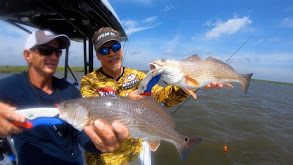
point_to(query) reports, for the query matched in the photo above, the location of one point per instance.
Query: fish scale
(145, 118)
(210, 70)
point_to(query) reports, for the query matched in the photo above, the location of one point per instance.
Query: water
(256, 128)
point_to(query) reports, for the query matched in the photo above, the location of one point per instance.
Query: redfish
(194, 73)
(145, 118)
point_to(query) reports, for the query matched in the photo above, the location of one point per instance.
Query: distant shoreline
(274, 82)
(17, 69)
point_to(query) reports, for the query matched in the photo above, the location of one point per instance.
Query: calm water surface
(257, 128)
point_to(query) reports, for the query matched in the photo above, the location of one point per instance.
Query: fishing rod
(129, 30)
(182, 104)
(238, 49)
(199, 88)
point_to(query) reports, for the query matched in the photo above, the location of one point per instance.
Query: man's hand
(134, 95)
(107, 138)
(213, 85)
(8, 114)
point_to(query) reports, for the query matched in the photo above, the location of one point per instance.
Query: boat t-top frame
(78, 19)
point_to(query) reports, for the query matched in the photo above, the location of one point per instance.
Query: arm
(170, 95)
(7, 115)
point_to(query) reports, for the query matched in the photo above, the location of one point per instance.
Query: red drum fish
(194, 73)
(145, 118)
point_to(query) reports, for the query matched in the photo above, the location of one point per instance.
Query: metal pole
(66, 63)
(84, 56)
(91, 61)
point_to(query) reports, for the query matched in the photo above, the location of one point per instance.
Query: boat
(78, 19)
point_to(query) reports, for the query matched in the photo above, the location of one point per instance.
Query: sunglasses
(46, 50)
(104, 51)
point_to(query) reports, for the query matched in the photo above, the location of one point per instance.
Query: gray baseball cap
(41, 37)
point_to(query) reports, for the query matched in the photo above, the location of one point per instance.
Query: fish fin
(187, 91)
(194, 57)
(216, 61)
(228, 85)
(153, 104)
(186, 147)
(191, 81)
(245, 82)
(154, 145)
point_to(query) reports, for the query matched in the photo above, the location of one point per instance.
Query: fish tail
(185, 148)
(245, 82)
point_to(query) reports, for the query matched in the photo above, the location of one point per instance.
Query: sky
(177, 29)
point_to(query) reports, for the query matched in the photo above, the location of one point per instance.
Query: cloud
(169, 7)
(169, 52)
(289, 9)
(274, 39)
(134, 51)
(208, 23)
(244, 60)
(128, 23)
(173, 42)
(230, 27)
(142, 2)
(190, 51)
(267, 40)
(274, 58)
(150, 19)
(139, 58)
(266, 72)
(133, 26)
(288, 22)
(260, 41)
(141, 29)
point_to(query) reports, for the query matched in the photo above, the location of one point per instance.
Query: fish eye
(65, 105)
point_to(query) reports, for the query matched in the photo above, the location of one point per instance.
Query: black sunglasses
(104, 51)
(46, 50)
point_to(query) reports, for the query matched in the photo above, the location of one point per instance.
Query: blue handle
(46, 121)
(152, 83)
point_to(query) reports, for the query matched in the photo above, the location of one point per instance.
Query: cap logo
(106, 34)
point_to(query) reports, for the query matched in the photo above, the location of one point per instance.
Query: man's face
(113, 60)
(45, 65)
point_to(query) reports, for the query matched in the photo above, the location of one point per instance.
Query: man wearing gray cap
(38, 87)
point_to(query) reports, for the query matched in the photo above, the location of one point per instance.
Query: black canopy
(75, 18)
(78, 19)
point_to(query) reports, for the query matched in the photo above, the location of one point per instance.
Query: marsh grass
(17, 69)
(274, 82)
